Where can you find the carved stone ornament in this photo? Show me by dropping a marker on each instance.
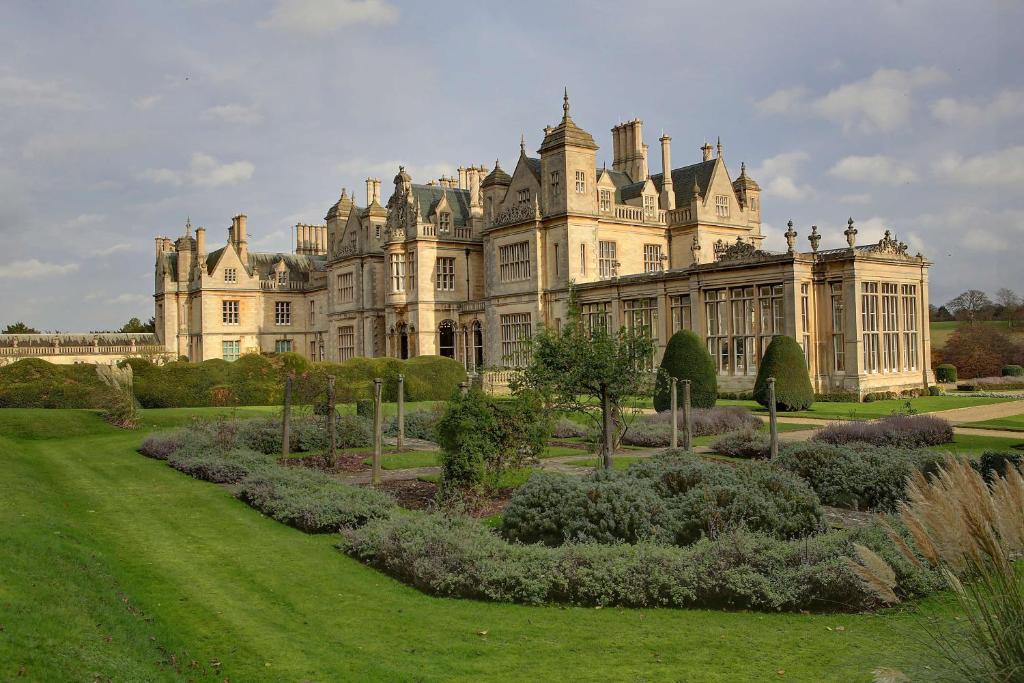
(890, 245)
(814, 238)
(695, 250)
(851, 233)
(737, 251)
(790, 237)
(517, 213)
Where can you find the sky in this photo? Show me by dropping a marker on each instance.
(120, 120)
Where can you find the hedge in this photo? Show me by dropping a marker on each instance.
(686, 357)
(945, 373)
(36, 383)
(784, 360)
(1013, 371)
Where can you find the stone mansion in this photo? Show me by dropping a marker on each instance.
(469, 267)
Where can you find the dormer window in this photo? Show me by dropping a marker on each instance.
(606, 200)
(556, 183)
(445, 221)
(581, 182)
(524, 196)
(648, 206)
(722, 205)
(230, 275)
(282, 277)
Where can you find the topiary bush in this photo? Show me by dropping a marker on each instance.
(945, 373)
(900, 431)
(1013, 371)
(784, 360)
(686, 357)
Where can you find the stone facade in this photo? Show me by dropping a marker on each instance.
(466, 267)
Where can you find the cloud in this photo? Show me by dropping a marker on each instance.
(855, 199)
(34, 268)
(147, 102)
(777, 176)
(60, 146)
(18, 91)
(990, 231)
(320, 17)
(116, 248)
(386, 170)
(883, 102)
(127, 298)
(1002, 167)
(873, 169)
(233, 113)
(1006, 104)
(203, 171)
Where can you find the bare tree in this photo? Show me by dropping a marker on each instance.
(1010, 302)
(970, 304)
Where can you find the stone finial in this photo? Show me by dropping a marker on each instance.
(814, 238)
(851, 233)
(188, 226)
(695, 250)
(696, 188)
(743, 169)
(565, 103)
(522, 144)
(719, 147)
(790, 237)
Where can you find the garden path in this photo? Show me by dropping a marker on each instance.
(991, 411)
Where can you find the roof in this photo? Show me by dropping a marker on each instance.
(683, 179)
(566, 133)
(534, 165)
(296, 263)
(632, 191)
(340, 207)
(497, 177)
(429, 196)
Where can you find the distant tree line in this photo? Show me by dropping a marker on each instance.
(974, 305)
(133, 326)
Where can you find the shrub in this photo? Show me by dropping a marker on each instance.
(980, 351)
(745, 443)
(934, 390)
(365, 408)
(656, 430)
(837, 397)
(686, 357)
(565, 428)
(220, 467)
(857, 477)
(994, 464)
(459, 557)
(162, 445)
(121, 410)
(900, 431)
(307, 434)
(36, 383)
(1012, 371)
(1003, 383)
(784, 360)
(967, 386)
(312, 501)
(945, 373)
(419, 424)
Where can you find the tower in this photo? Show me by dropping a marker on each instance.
(568, 160)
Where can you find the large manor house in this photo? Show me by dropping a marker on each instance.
(470, 267)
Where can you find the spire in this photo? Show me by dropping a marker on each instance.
(497, 164)
(719, 146)
(743, 169)
(522, 144)
(188, 226)
(696, 188)
(565, 104)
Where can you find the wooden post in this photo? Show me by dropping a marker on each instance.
(377, 437)
(332, 424)
(286, 417)
(401, 412)
(675, 414)
(687, 418)
(773, 424)
(606, 417)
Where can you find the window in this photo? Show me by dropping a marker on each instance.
(516, 329)
(446, 273)
(446, 338)
(652, 258)
(680, 305)
(445, 222)
(514, 261)
(312, 350)
(378, 230)
(715, 313)
(229, 312)
(648, 206)
(583, 259)
(411, 269)
(346, 287)
(771, 320)
(556, 183)
(606, 200)
(606, 264)
(312, 313)
(282, 312)
(805, 313)
(753, 203)
(641, 316)
(745, 355)
(230, 275)
(722, 205)
(346, 342)
(838, 326)
(397, 272)
(909, 327)
(524, 196)
(597, 315)
(890, 328)
(869, 323)
(581, 182)
(231, 350)
(282, 277)
(283, 346)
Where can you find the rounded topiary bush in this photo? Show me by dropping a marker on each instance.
(1013, 371)
(784, 360)
(686, 357)
(945, 373)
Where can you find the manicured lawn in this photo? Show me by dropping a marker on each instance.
(969, 444)
(1013, 423)
(115, 565)
(407, 460)
(875, 409)
(560, 451)
(941, 331)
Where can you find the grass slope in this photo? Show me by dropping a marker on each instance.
(1013, 423)
(875, 409)
(115, 565)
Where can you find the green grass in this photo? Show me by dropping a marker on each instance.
(875, 409)
(113, 562)
(407, 460)
(561, 451)
(972, 445)
(1013, 423)
(941, 331)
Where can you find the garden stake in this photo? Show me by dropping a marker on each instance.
(675, 416)
(687, 418)
(401, 412)
(773, 425)
(375, 476)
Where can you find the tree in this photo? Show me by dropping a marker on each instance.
(784, 360)
(686, 357)
(136, 326)
(980, 351)
(586, 368)
(970, 305)
(19, 328)
(1010, 302)
(942, 314)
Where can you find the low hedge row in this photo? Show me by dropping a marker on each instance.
(36, 383)
(458, 557)
(652, 431)
(902, 431)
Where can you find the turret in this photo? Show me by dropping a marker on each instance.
(569, 153)
(493, 188)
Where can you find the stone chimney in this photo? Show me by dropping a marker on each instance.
(668, 195)
(376, 190)
(370, 187)
(242, 238)
(706, 151)
(463, 180)
(628, 149)
(200, 243)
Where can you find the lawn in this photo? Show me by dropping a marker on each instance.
(407, 460)
(869, 411)
(941, 331)
(974, 445)
(1013, 423)
(115, 565)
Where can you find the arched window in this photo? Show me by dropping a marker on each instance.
(478, 345)
(403, 341)
(446, 338)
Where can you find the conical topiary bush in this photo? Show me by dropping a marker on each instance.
(686, 357)
(784, 360)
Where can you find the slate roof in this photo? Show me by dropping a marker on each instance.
(497, 177)
(567, 133)
(620, 179)
(534, 165)
(429, 197)
(631, 191)
(682, 180)
(263, 260)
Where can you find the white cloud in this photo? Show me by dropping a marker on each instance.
(34, 268)
(777, 176)
(971, 228)
(873, 169)
(1002, 167)
(18, 91)
(146, 102)
(319, 17)
(203, 171)
(60, 146)
(1006, 104)
(233, 113)
(127, 298)
(882, 102)
(855, 199)
(117, 248)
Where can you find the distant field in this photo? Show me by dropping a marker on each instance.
(942, 330)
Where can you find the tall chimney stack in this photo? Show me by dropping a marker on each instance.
(369, 191)
(668, 195)
(200, 243)
(243, 240)
(706, 151)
